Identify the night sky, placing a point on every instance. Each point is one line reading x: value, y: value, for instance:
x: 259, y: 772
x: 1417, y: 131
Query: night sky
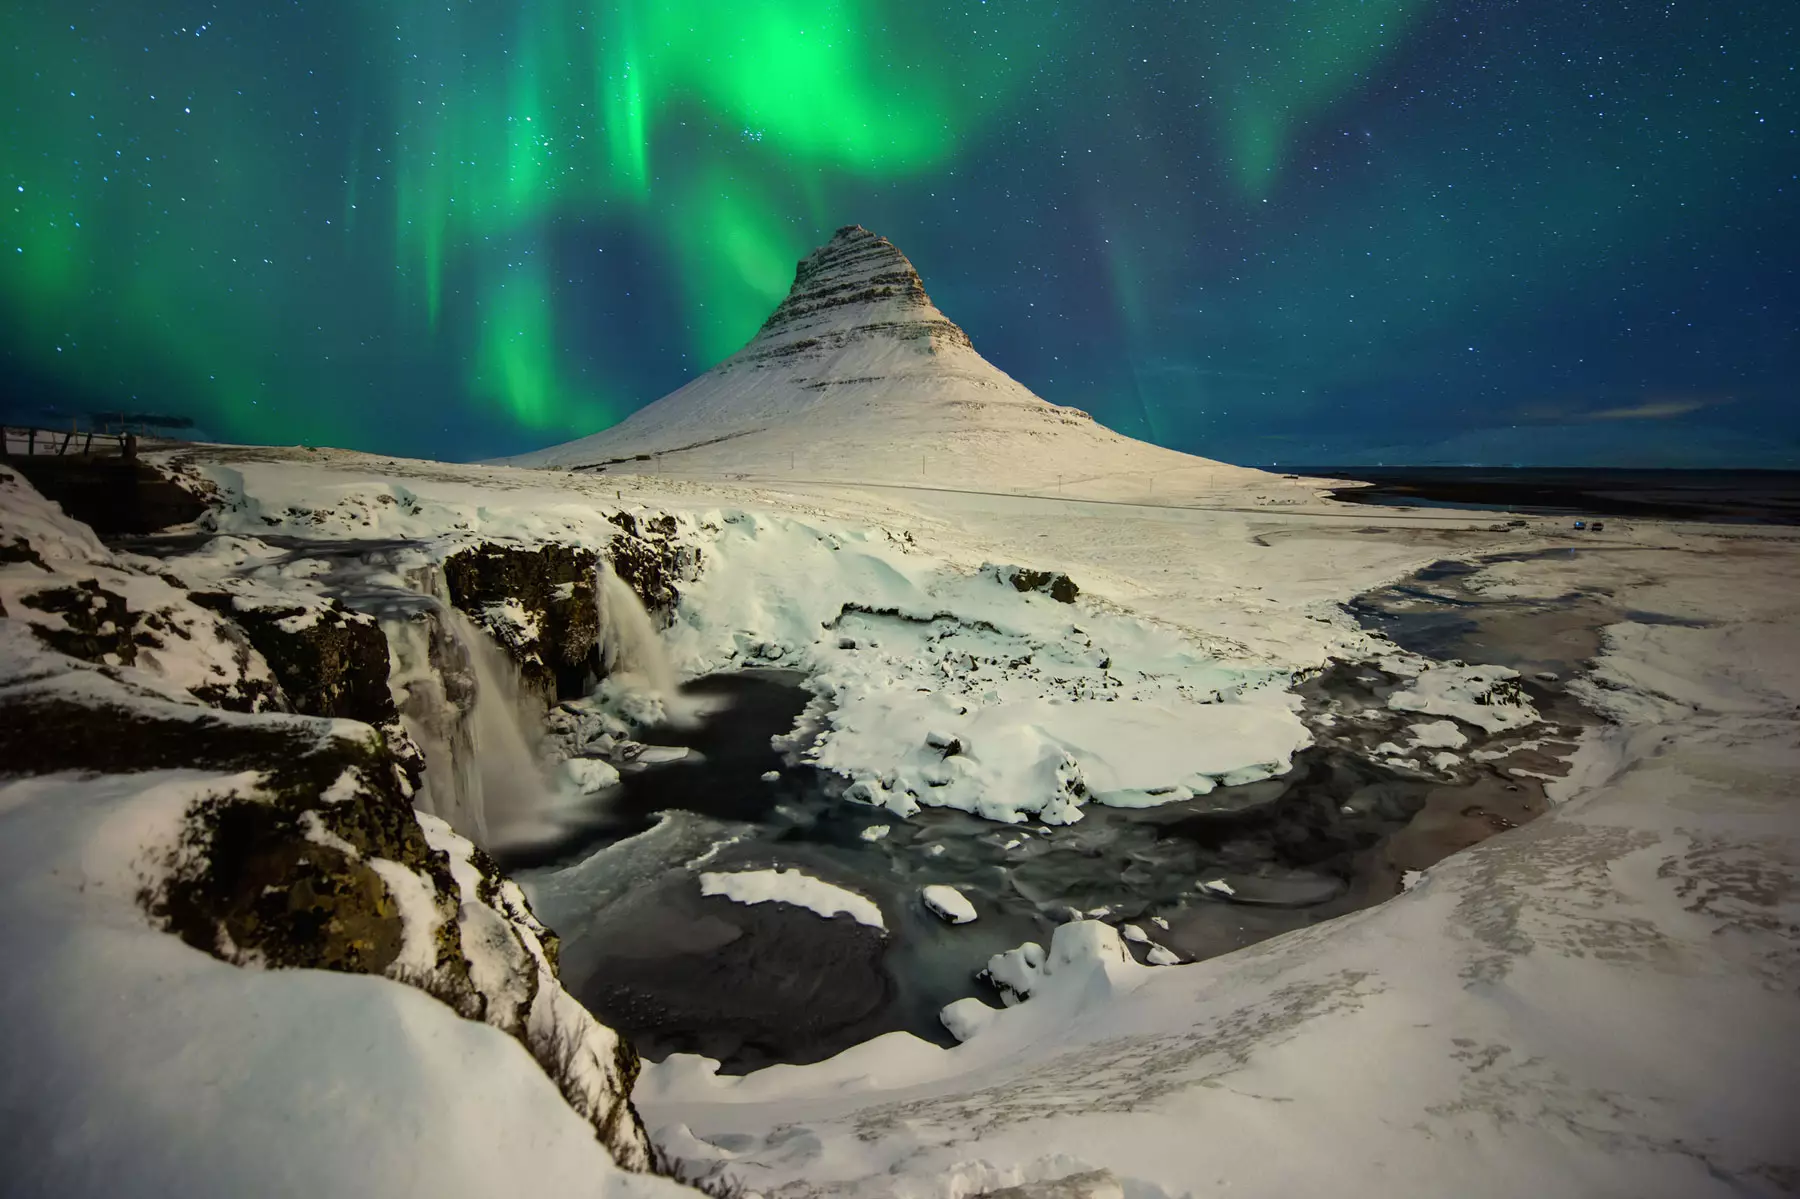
x: 1273, y: 231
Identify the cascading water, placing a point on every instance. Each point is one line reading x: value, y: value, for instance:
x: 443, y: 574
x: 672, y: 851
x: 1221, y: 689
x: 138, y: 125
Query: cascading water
x: 629, y: 645
x: 460, y: 698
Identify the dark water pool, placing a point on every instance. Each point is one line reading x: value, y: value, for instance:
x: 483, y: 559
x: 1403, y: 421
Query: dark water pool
x: 675, y: 970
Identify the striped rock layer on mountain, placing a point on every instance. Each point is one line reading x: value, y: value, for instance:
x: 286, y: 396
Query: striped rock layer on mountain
x: 857, y: 275
x: 857, y: 376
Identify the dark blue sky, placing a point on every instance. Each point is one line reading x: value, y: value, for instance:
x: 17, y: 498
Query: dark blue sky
x: 1317, y: 231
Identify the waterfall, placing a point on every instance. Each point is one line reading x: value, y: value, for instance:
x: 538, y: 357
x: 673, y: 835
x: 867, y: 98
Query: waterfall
x: 629, y: 645
x: 460, y: 698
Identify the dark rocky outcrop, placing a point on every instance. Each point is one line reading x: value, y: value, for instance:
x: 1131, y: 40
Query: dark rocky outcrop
x: 112, y: 495
x: 648, y: 556
x: 1058, y: 586
x: 96, y: 624
x: 283, y: 877
x: 329, y: 661
x: 539, y: 604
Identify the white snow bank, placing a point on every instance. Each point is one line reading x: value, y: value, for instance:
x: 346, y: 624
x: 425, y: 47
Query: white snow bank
x: 134, y: 1065
x: 1438, y: 734
x: 590, y: 774
x: 950, y: 689
x: 1487, y: 697
x: 1597, y: 1003
x: 793, y: 887
x: 949, y: 903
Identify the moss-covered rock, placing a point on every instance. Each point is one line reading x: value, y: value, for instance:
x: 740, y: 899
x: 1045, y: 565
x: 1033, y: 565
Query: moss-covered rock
x: 322, y: 863
x: 283, y: 877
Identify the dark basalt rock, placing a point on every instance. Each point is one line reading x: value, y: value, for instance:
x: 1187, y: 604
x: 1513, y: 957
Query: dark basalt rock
x: 112, y: 495
x: 554, y: 586
x: 42, y: 734
x: 651, y: 566
x: 1059, y: 586
x: 336, y: 665
x: 99, y: 626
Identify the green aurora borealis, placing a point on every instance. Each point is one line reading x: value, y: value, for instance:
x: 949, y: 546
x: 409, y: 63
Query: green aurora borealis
x: 1294, y: 231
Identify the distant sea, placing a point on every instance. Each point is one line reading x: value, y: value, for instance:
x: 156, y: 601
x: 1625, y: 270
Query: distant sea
x: 1733, y: 496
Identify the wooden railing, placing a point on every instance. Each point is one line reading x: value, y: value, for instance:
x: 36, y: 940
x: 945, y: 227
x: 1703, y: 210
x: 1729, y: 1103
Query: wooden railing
x: 31, y: 440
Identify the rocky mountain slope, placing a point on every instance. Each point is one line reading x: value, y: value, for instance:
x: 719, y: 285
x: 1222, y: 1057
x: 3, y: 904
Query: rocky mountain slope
x: 858, y: 376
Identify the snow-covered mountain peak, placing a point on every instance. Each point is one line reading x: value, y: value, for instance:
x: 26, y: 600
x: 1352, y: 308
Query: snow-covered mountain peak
x: 856, y: 286
x: 857, y: 376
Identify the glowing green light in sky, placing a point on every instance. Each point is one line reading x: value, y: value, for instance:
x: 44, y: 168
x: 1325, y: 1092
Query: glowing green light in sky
x: 1273, y: 77
x: 558, y: 112
x: 297, y: 223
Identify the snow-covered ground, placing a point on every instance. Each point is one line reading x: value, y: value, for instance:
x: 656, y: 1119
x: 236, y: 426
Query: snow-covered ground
x: 135, y: 1065
x: 1601, y: 1002
x: 1598, y: 1003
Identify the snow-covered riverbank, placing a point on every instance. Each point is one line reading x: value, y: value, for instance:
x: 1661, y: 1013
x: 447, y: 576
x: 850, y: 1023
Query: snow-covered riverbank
x: 1597, y: 1002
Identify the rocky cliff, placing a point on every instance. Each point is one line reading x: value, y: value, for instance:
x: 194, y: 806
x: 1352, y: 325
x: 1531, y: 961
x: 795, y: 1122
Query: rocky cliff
x: 305, y: 850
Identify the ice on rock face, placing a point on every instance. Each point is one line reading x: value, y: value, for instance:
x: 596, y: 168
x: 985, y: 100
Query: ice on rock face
x: 590, y: 774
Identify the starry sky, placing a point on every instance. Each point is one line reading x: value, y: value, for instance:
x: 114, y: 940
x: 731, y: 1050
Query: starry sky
x: 1272, y: 231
